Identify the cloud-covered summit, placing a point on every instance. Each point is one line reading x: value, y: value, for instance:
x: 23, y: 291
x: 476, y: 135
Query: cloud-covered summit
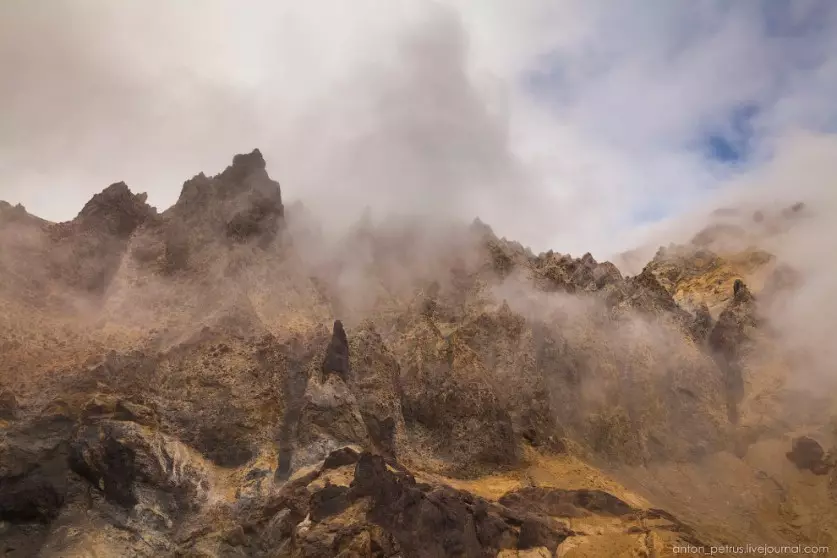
x: 567, y: 125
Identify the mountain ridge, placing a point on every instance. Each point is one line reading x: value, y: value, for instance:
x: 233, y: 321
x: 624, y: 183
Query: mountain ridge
x: 180, y: 372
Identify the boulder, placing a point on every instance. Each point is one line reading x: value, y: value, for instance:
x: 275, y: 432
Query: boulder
x: 807, y: 454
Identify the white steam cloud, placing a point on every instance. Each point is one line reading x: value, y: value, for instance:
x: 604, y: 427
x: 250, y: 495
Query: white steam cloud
x: 572, y: 125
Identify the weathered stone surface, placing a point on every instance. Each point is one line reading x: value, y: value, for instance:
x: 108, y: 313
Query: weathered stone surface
x: 120, y: 458
x: 8, y: 405
x: 559, y: 502
x: 730, y: 341
x: 436, y: 522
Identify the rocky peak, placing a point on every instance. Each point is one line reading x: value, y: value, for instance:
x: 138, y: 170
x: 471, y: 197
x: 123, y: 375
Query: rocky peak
x: 243, y: 165
x: 116, y: 210
x: 563, y: 272
x: 740, y: 292
x: 17, y: 214
x: 479, y: 228
x: 246, y: 175
x: 240, y: 203
x: 337, y: 354
x: 649, y: 282
x: 11, y: 212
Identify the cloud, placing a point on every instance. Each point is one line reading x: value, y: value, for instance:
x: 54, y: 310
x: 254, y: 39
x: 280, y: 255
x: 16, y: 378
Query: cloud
x: 570, y: 125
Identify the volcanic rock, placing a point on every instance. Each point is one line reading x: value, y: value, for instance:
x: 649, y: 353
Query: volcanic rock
x: 807, y: 453
x: 8, y: 405
x: 428, y: 522
x: 336, y: 360
x: 177, y: 389
x: 116, y: 211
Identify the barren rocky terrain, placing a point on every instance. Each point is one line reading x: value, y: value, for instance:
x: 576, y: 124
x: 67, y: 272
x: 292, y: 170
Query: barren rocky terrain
x: 223, y: 378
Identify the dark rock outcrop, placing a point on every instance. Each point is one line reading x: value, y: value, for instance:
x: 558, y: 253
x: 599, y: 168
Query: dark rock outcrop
x: 29, y: 496
x: 436, y: 522
x: 139, y: 469
x: 240, y: 203
x: 336, y: 359
x: 116, y: 211
x: 8, y: 405
x: 807, y: 454
x: 328, y: 413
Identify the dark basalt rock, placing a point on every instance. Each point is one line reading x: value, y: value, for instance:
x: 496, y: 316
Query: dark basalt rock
x: 336, y: 360
x: 340, y: 457
x: 260, y: 219
x: 116, y: 210
x: 113, y: 473
x: 29, y: 497
x: 8, y: 405
x: 328, y: 501
x: 429, y: 522
x: 242, y: 204
x: 244, y: 164
x: 535, y: 534
x: 124, y: 459
x: 808, y: 454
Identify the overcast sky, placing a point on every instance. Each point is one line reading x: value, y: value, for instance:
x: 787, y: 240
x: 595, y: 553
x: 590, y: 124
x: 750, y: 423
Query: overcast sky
x: 575, y: 125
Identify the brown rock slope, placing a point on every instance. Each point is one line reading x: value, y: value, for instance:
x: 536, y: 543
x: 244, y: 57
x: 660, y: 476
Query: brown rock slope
x: 220, y: 379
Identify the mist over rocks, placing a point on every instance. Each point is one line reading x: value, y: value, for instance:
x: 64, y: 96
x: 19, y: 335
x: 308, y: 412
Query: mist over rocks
x: 222, y: 376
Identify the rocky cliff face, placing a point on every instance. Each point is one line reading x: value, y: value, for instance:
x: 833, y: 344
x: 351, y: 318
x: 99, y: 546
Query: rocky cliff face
x: 217, y: 380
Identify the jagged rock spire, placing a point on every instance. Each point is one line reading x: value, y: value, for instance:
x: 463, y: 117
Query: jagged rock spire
x: 337, y: 354
x: 240, y: 204
x: 116, y: 210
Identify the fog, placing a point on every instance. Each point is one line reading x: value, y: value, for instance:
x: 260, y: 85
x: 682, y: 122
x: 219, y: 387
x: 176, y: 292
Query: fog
x: 760, y: 205
x: 353, y: 109
x: 563, y: 125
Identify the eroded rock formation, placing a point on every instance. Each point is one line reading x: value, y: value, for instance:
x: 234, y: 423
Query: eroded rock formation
x: 171, y: 386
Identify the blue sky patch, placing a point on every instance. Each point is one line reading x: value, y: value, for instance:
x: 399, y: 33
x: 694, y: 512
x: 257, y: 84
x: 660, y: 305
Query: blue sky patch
x: 792, y: 18
x: 732, y: 141
x: 721, y: 149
